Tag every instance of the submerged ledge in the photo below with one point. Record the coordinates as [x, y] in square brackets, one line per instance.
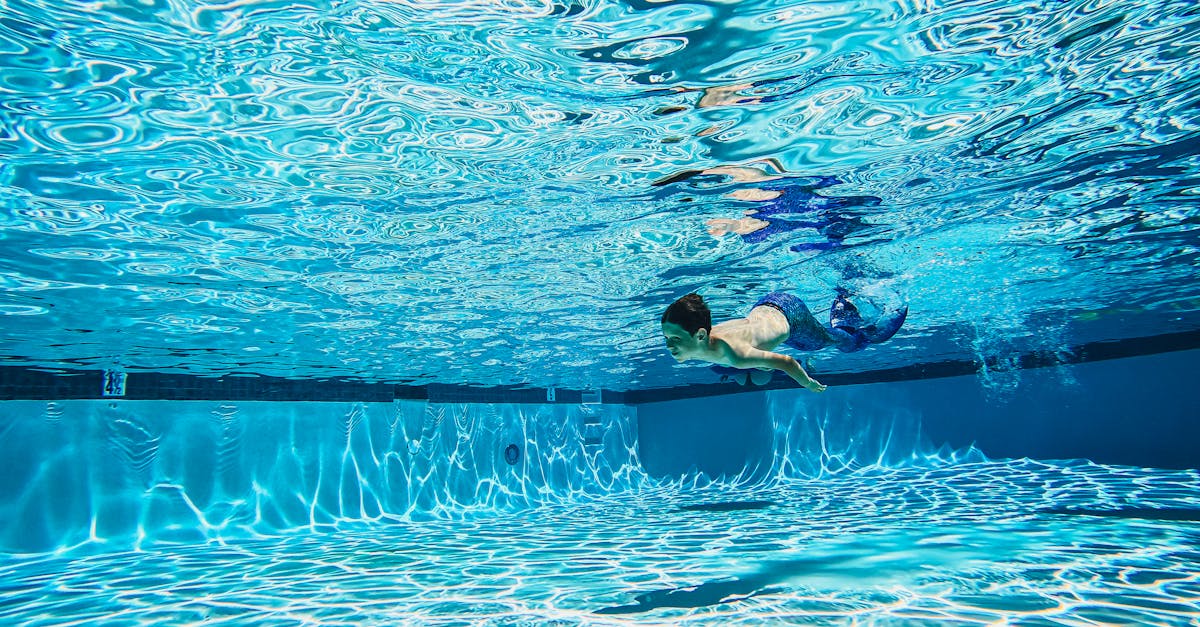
[45, 383]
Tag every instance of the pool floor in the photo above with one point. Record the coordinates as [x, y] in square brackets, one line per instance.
[1017, 542]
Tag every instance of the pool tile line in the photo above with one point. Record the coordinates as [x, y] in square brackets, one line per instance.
[21, 383]
[1090, 352]
[29, 383]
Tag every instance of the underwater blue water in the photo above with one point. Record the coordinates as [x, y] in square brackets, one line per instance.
[499, 193]
[509, 194]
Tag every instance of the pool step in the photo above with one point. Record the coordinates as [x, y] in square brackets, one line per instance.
[593, 431]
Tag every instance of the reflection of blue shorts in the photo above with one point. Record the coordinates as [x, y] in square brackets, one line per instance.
[804, 332]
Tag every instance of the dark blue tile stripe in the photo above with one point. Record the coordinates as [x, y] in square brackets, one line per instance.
[21, 383]
[1094, 351]
[24, 383]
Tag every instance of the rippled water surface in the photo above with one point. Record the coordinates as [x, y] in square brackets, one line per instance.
[982, 543]
[512, 192]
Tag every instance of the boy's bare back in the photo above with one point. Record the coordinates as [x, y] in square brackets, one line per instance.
[764, 328]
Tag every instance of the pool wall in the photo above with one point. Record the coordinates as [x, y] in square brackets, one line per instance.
[119, 473]
[1139, 411]
[784, 434]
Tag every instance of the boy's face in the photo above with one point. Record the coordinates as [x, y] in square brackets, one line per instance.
[683, 345]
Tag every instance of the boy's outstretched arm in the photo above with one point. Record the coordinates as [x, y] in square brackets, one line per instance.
[749, 357]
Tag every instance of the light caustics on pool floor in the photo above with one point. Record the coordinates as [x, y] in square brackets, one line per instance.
[970, 543]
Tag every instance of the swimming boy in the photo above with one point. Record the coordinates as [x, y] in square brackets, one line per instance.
[777, 318]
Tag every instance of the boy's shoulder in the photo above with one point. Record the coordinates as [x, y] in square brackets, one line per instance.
[726, 346]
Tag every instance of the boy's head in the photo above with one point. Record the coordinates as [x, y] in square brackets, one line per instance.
[690, 312]
[686, 325]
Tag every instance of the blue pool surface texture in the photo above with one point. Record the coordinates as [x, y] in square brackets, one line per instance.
[347, 312]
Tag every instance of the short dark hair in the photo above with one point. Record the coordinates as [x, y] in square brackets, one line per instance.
[689, 312]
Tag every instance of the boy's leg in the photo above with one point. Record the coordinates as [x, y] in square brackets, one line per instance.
[805, 332]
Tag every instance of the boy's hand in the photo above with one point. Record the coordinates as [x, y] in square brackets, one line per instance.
[797, 373]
